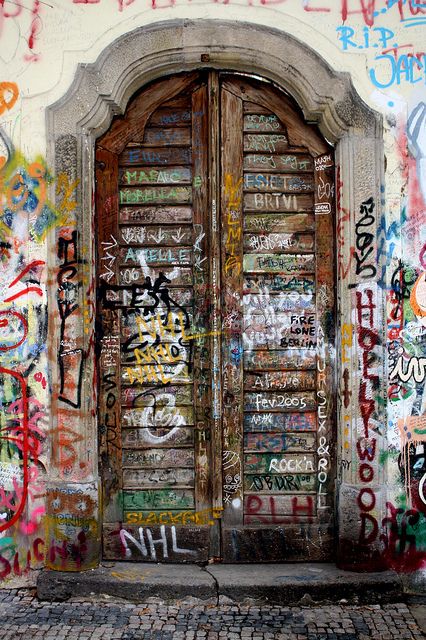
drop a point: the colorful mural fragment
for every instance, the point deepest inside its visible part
(34, 528)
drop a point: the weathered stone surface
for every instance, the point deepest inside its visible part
(273, 583)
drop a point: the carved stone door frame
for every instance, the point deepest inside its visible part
(327, 98)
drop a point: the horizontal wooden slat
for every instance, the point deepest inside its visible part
(297, 303)
(176, 277)
(131, 543)
(144, 347)
(173, 137)
(273, 263)
(286, 539)
(138, 296)
(158, 458)
(280, 359)
(289, 162)
(158, 499)
(280, 505)
(262, 122)
(284, 223)
(263, 336)
(285, 463)
(265, 422)
(169, 325)
(275, 401)
(155, 175)
(279, 242)
(259, 283)
(283, 483)
(146, 195)
(261, 182)
(280, 442)
(181, 256)
(151, 235)
(270, 523)
(172, 517)
(289, 341)
(155, 373)
(268, 142)
(288, 380)
(300, 322)
(182, 101)
(277, 202)
(133, 399)
(158, 416)
(252, 107)
(289, 331)
(278, 509)
(167, 353)
(152, 156)
(157, 437)
(158, 478)
(157, 214)
(170, 117)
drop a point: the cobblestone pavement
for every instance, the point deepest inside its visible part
(23, 616)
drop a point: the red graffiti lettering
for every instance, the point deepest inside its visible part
(370, 503)
(369, 451)
(366, 472)
(366, 8)
(306, 508)
(364, 537)
(399, 539)
(368, 339)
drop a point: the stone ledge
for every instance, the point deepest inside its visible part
(305, 583)
(269, 584)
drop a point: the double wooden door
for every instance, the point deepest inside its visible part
(216, 314)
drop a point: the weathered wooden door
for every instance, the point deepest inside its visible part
(216, 314)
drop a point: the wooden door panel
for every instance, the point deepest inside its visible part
(215, 274)
(159, 295)
(277, 329)
(232, 318)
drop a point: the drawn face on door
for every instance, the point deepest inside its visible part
(215, 262)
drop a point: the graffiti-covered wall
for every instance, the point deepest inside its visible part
(66, 70)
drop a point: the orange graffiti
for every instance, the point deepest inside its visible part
(75, 503)
(9, 93)
(65, 454)
(418, 297)
(17, 192)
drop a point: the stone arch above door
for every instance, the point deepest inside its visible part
(102, 90)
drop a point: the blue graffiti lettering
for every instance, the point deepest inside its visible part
(406, 68)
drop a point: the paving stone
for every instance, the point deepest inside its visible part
(23, 616)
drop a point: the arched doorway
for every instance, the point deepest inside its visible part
(215, 246)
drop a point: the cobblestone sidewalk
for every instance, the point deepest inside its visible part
(23, 616)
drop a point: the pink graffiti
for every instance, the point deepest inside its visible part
(25, 448)
(15, 9)
(39, 377)
(31, 526)
(368, 9)
(34, 436)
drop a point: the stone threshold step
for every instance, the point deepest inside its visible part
(298, 583)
